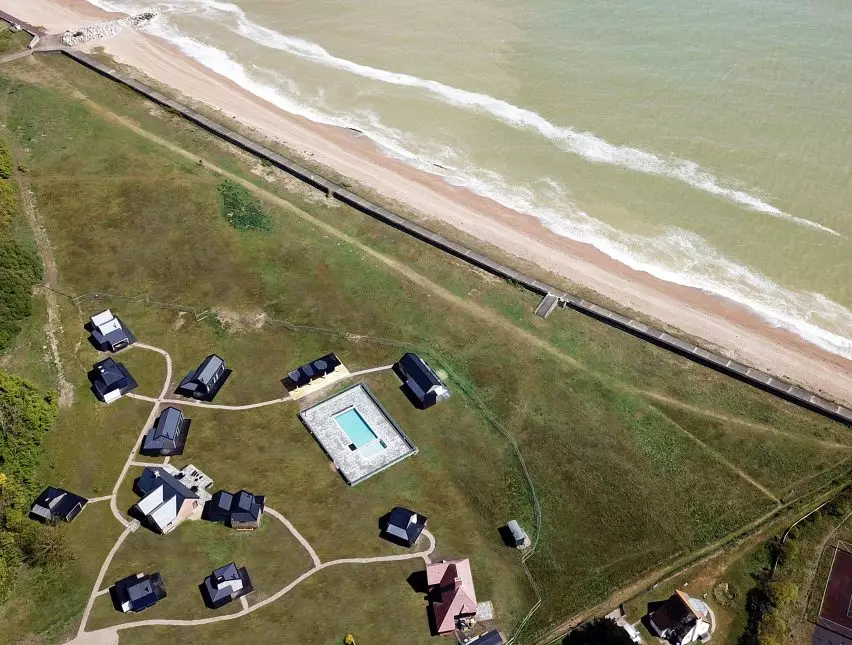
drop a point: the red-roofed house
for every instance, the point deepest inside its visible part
(458, 596)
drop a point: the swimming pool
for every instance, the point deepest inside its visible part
(358, 431)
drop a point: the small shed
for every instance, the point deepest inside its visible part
(520, 539)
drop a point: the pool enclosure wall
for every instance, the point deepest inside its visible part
(331, 421)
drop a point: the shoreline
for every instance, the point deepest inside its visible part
(720, 323)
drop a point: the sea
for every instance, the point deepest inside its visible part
(706, 143)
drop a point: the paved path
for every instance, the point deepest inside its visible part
(109, 636)
(249, 406)
(201, 404)
(100, 499)
(423, 555)
(129, 528)
(148, 422)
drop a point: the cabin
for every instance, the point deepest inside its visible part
(489, 638)
(57, 504)
(404, 526)
(420, 381)
(681, 620)
(111, 380)
(108, 332)
(204, 382)
(451, 582)
(137, 592)
(241, 510)
(166, 499)
(168, 436)
(225, 585)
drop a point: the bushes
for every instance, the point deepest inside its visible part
(8, 204)
(242, 210)
(26, 414)
(20, 270)
(6, 166)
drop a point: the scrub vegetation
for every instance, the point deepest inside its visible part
(639, 457)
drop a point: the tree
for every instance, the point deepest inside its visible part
(601, 631)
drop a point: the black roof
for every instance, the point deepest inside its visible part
(419, 371)
(154, 476)
(165, 431)
(58, 502)
(109, 373)
(139, 592)
(209, 366)
(304, 374)
(405, 525)
(240, 507)
(491, 638)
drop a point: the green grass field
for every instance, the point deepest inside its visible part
(639, 457)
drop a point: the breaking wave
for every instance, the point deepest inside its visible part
(676, 255)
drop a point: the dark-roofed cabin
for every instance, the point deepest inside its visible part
(137, 592)
(57, 504)
(205, 382)
(226, 584)
(420, 381)
(404, 526)
(490, 638)
(111, 380)
(168, 436)
(241, 510)
(108, 332)
(309, 372)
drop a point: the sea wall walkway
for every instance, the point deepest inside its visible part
(722, 364)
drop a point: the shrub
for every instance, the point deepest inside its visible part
(20, 270)
(6, 165)
(242, 210)
(8, 203)
(26, 414)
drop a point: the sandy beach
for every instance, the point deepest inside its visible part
(721, 324)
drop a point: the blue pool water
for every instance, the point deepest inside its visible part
(355, 427)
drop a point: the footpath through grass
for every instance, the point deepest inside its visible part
(622, 487)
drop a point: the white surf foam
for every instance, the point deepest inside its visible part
(676, 256)
(584, 144)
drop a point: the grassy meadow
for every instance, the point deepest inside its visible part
(639, 457)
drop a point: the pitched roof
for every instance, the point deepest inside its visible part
(405, 524)
(419, 371)
(209, 366)
(163, 496)
(242, 507)
(56, 503)
(458, 595)
(109, 373)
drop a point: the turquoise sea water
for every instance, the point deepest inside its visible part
(709, 144)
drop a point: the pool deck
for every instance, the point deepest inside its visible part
(357, 465)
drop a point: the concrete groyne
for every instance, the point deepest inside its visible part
(722, 364)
